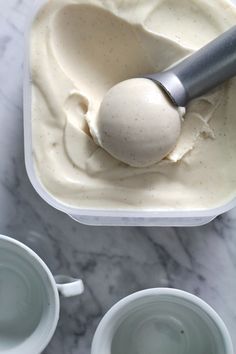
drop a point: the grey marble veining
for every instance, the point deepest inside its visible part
(113, 262)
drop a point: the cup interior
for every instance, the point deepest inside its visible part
(164, 324)
(28, 302)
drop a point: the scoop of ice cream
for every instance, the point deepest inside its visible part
(137, 123)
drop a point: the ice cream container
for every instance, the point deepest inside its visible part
(119, 217)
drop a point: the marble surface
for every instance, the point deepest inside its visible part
(113, 262)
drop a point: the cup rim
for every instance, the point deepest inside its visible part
(115, 312)
(44, 267)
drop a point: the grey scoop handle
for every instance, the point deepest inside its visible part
(201, 71)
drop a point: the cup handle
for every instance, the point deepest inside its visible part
(68, 286)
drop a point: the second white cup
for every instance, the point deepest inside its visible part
(163, 321)
(29, 300)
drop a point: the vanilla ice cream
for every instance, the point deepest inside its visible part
(137, 123)
(79, 50)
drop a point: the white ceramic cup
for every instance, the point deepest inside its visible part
(163, 321)
(29, 299)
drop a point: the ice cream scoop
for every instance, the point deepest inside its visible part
(137, 123)
(139, 120)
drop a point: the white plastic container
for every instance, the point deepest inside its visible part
(105, 216)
